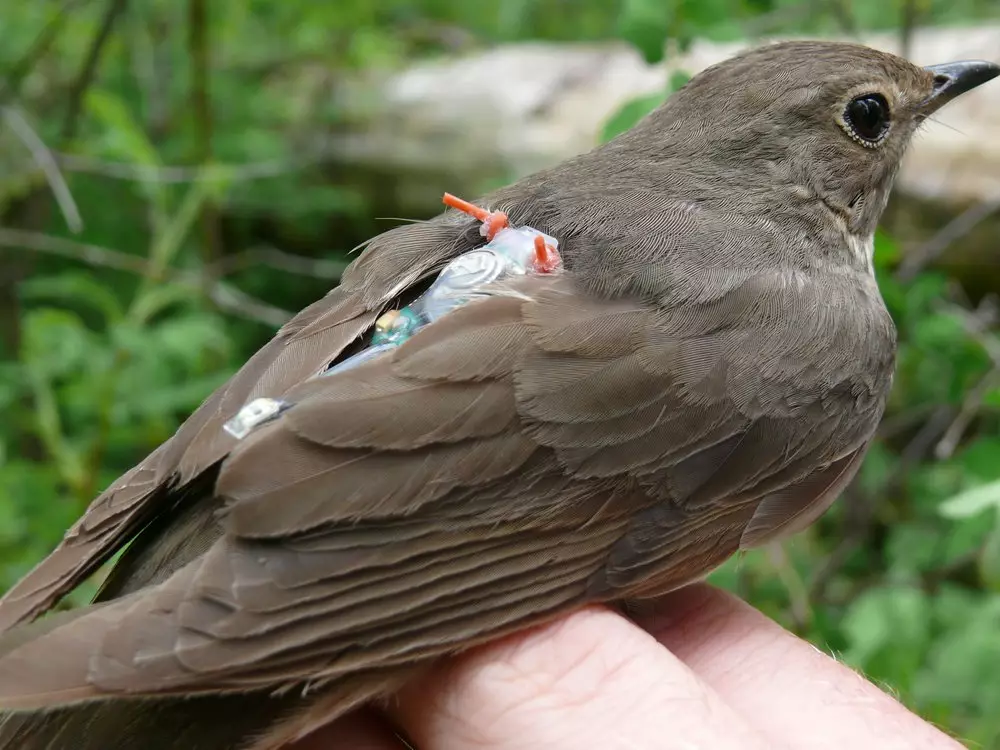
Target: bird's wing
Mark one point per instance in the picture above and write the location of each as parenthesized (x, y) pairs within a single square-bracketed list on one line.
[(391, 263), (526, 454)]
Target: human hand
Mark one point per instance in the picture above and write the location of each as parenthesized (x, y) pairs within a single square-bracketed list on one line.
[(698, 669)]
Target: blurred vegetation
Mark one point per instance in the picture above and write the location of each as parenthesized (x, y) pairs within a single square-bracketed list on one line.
[(162, 204)]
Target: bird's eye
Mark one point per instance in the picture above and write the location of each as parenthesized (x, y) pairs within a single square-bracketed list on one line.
[(867, 118)]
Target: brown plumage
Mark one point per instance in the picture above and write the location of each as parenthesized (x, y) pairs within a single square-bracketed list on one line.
[(705, 376)]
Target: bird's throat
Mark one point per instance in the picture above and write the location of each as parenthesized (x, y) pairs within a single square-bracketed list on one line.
[(862, 250)]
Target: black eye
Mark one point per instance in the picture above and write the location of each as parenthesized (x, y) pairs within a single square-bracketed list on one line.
[(868, 118)]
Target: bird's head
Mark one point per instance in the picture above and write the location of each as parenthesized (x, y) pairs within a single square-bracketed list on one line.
[(795, 124)]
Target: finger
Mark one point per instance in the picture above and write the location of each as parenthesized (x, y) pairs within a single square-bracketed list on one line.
[(589, 680), (360, 730), (795, 695)]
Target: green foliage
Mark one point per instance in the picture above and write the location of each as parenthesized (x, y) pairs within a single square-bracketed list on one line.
[(646, 23), (111, 337), (632, 111)]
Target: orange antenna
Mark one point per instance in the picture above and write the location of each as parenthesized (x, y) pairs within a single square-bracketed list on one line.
[(493, 221), (546, 257), (465, 207)]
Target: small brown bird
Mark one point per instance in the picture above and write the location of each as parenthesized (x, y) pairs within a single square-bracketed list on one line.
[(704, 376)]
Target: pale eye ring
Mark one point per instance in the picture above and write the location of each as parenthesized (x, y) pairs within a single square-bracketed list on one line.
[(868, 119)]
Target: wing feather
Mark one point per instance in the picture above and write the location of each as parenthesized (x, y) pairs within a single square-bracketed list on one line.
[(303, 347), (405, 508)]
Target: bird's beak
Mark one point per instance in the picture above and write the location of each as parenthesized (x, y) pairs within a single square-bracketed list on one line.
[(953, 79)]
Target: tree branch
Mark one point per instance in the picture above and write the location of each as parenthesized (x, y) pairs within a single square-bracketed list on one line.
[(316, 268), (198, 49), (976, 324), (10, 85), (46, 162), (961, 225), (89, 68), (224, 295)]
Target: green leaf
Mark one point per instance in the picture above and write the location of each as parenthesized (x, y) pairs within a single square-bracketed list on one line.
[(125, 140), (877, 468), (645, 25), (940, 329), (678, 80), (180, 397), (972, 502), (913, 548), (629, 114), (714, 19), (189, 336), (960, 668), (55, 342), (74, 287), (992, 398), (513, 16), (887, 251), (978, 459), (124, 137), (67, 458), (888, 630), (168, 242), (989, 556), (152, 301)]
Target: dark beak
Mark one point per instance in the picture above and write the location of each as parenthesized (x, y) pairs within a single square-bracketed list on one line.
[(953, 79)]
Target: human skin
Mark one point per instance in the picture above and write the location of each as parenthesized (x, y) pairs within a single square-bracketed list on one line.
[(697, 669)]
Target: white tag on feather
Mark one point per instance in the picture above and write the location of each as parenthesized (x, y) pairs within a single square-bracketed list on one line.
[(254, 414)]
